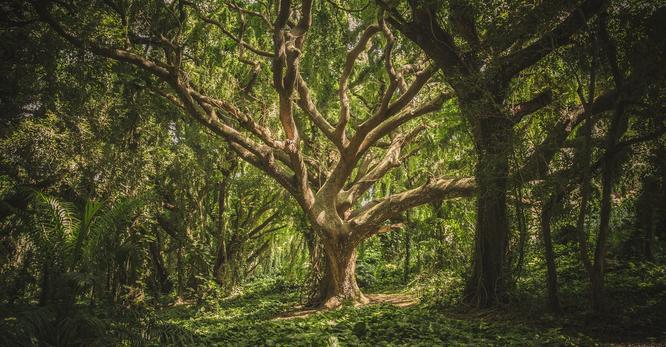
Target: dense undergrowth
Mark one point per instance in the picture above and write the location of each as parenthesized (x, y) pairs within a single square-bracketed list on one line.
[(257, 318), (637, 310), (268, 312)]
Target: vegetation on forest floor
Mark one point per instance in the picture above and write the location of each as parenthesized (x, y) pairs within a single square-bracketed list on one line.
[(252, 319), (268, 311), (453, 172), (636, 309)]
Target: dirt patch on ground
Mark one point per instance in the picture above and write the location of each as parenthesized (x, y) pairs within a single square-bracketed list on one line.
[(397, 299)]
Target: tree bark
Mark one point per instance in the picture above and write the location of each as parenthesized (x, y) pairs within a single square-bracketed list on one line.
[(598, 269), (522, 236), (408, 256), (488, 282), (180, 275), (585, 192), (161, 273), (221, 252), (338, 284), (316, 260), (551, 274)]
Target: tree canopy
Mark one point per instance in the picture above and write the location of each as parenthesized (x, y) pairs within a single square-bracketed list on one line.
[(178, 151)]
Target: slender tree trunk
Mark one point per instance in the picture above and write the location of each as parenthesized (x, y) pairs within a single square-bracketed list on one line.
[(408, 255), (617, 128), (161, 273), (651, 232), (597, 275), (585, 191), (45, 286), (180, 286), (522, 237), (488, 282), (598, 269), (221, 252), (338, 284), (551, 275)]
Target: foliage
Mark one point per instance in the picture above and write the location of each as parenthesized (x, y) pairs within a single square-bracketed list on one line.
[(252, 319), (173, 208)]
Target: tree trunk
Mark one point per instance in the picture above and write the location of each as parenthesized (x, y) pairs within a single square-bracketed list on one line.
[(488, 282), (551, 275), (648, 241), (180, 276), (617, 128), (161, 273), (316, 260), (408, 255), (585, 192), (45, 286), (338, 284), (221, 252), (522, 236), (597, 276)]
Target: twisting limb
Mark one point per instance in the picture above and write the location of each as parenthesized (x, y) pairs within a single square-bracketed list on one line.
[(387, 110), (371, 215), (259, 15), (516, 62), (352, 55), (393, 123), (528, 107), (535, 165), (260, 156), (393, 157), (237, 39), (308, 106), (396, 77), (156, 68)]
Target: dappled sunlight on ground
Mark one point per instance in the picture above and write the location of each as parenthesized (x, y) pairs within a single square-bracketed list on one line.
[(276, 317), (395, 299)]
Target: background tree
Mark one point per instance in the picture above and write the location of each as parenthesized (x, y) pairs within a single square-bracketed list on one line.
[(484, 58)]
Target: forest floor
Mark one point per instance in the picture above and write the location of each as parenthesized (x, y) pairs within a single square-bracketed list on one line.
[(271, 314), (395, 299), (274, 318)]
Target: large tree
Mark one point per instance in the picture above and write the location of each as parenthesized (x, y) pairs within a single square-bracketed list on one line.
[(483, 52), (327, 155)]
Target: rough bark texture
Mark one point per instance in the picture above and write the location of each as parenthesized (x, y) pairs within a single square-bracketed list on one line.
[(488, 282), (338, 284)]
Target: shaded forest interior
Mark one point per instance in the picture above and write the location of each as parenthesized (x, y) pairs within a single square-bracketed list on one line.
[(332, 173)]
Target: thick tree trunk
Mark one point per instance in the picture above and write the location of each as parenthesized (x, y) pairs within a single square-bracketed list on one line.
[(338, 284), (316, 260), (488, 282)]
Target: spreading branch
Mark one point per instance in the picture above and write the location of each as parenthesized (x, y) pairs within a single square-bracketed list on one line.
[(370, 216)]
